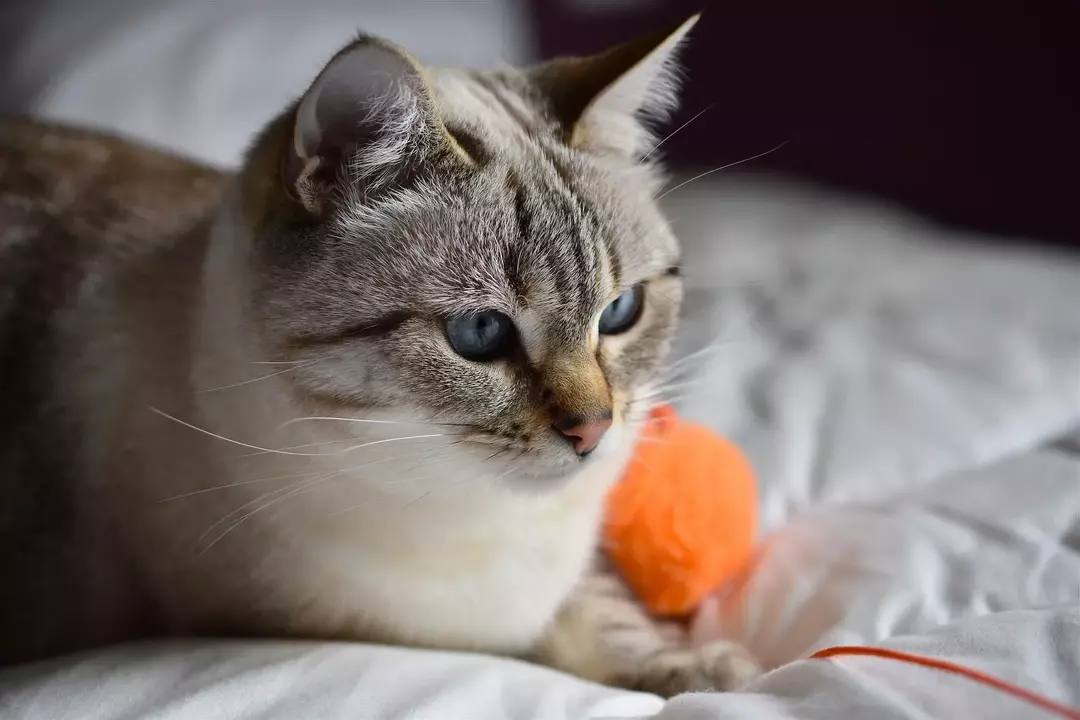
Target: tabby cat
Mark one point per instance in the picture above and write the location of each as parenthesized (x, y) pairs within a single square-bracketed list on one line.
[(374, 386)]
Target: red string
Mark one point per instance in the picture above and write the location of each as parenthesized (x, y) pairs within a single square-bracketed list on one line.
[(997, 683)]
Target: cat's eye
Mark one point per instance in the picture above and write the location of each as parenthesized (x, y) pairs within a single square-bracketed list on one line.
[(480, 336), (621, 314)]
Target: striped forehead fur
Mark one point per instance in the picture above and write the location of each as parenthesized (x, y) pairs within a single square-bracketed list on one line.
[(556, 243)]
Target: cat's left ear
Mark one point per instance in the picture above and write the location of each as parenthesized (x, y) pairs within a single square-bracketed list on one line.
[(367, 121), (601, 100)]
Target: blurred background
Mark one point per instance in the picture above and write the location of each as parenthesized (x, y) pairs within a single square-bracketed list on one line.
[(967, 112)]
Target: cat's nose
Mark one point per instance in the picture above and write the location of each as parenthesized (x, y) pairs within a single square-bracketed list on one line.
[(583, 434)]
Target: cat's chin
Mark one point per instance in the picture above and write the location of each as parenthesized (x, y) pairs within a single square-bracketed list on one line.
[(550, 474), (545, 476)]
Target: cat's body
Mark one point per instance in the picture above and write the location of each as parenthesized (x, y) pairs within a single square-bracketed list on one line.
[(120, 316), (230, 408), (83, 220)]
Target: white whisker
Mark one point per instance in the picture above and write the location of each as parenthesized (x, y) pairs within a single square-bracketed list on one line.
[(387, 440), (239, 484), (249, 446), (285, 452), (249, 503), (408, 478), (279, 362), (723, 167), (511, 467), (264, 506), (285, 493), (673, 132), (685, 363), (290, 477), (305, 445), (353, 420), (261, 377)]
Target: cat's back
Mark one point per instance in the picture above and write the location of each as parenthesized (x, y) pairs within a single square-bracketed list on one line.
[(75, 203), (65, 187), (79, 213)]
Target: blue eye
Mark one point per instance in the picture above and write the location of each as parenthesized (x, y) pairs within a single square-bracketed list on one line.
[(623, 312), (480, 336)]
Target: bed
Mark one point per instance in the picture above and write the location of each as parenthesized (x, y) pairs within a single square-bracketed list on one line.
[(909, 395)]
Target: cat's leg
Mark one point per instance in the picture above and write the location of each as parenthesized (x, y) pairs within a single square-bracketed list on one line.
[(604, 634)]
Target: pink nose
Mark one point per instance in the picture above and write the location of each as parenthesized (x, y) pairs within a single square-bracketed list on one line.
[(584, 436)]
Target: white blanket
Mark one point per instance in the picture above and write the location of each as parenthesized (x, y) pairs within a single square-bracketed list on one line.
[(905, 394), (1036, 650), (910, 398)]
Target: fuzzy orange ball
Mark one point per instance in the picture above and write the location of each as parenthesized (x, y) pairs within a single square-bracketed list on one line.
[(683, 519)]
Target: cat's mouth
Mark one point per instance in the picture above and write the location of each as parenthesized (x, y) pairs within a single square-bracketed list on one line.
[(541, 455)]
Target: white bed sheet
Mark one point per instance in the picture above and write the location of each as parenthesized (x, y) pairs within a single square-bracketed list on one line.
[(1037, 650), (907, 395)]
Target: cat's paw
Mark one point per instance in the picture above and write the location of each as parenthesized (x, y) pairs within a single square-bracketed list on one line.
[(717, 666)]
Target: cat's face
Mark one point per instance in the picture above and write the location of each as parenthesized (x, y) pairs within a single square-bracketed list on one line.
[(459, 252)]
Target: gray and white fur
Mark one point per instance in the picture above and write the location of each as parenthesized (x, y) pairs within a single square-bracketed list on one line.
[(230, 405)]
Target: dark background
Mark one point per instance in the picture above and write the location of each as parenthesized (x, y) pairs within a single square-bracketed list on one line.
[(968, 112)]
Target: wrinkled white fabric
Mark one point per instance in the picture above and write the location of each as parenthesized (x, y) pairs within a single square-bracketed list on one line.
[(905, 395), (308, 681), (1038, 650)]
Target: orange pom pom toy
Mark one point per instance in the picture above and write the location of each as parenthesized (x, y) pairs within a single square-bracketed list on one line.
[(683, 519)]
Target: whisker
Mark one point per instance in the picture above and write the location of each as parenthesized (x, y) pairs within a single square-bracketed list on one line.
[(411, 478), (240, 509), (673, 132), (285, 493), (665, 388), (289, 491), (370, 422), (238, 484), (265, 505), (249, 446), (511, 466), (495, 454), (278, 362), (285, 452), (467, 478), (296, 475), (261, 377), (387, 440), (305, 445), (352, 420), (723, 167), (685, 363)]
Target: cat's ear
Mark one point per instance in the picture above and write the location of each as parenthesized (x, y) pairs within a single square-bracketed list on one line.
[(367, 119), (601, 100)]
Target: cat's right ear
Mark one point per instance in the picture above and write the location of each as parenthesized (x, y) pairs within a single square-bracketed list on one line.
[(366, 120), (601, 100)]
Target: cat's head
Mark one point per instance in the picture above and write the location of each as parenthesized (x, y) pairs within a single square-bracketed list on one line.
[(482, 250)]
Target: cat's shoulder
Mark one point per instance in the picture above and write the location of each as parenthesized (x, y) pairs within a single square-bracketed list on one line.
[(81, 209), (94, 185)]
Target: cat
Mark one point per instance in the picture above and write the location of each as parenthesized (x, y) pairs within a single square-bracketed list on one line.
[(372, 386)]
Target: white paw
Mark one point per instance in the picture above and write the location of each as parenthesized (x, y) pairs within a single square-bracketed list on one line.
[(717, 666)]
